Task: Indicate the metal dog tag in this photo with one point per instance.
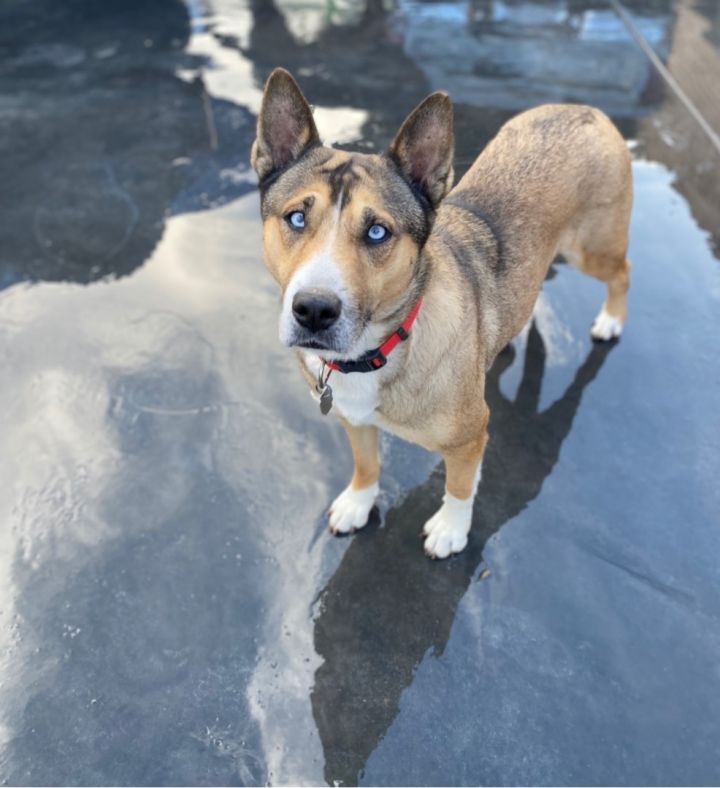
(326, 400)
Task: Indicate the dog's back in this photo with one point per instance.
(555, 179)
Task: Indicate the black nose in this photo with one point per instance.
(316, 310)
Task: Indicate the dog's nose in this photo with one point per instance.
(316, 310)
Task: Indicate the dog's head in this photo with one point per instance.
(343, 231)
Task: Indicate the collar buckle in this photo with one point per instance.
(368, 362)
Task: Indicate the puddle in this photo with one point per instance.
(172, 610)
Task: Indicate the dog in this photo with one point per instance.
(399, 290)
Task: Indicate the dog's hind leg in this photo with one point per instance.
(598, 247)
(351, 509)
(446, 532)
(615, 272)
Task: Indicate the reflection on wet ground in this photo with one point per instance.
(371, 672)
(93, 166)
(172, 610)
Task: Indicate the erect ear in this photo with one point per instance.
(285, 125)
(424, 147)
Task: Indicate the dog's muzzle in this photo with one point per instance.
(317, 321)
(316, 310)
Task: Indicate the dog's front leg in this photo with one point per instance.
(446, 532)
(351, 509)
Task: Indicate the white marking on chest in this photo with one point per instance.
(355, 395)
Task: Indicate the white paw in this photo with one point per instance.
(351, 509)
(606, 326)
(446, 532)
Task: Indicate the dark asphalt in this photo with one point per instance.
(173, 610)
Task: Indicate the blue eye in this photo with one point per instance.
(296, 220)
(377, 233)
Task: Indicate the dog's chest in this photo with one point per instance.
(355, 395)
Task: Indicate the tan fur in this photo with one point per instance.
(555, 179)
(366, 454)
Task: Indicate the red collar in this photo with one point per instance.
(377, 358)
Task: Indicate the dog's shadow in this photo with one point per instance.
(387, 604)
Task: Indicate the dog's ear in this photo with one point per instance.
(424, 147)
(285, 125)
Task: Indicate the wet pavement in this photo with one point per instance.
(172, 609)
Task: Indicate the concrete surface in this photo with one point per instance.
(172, 608)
